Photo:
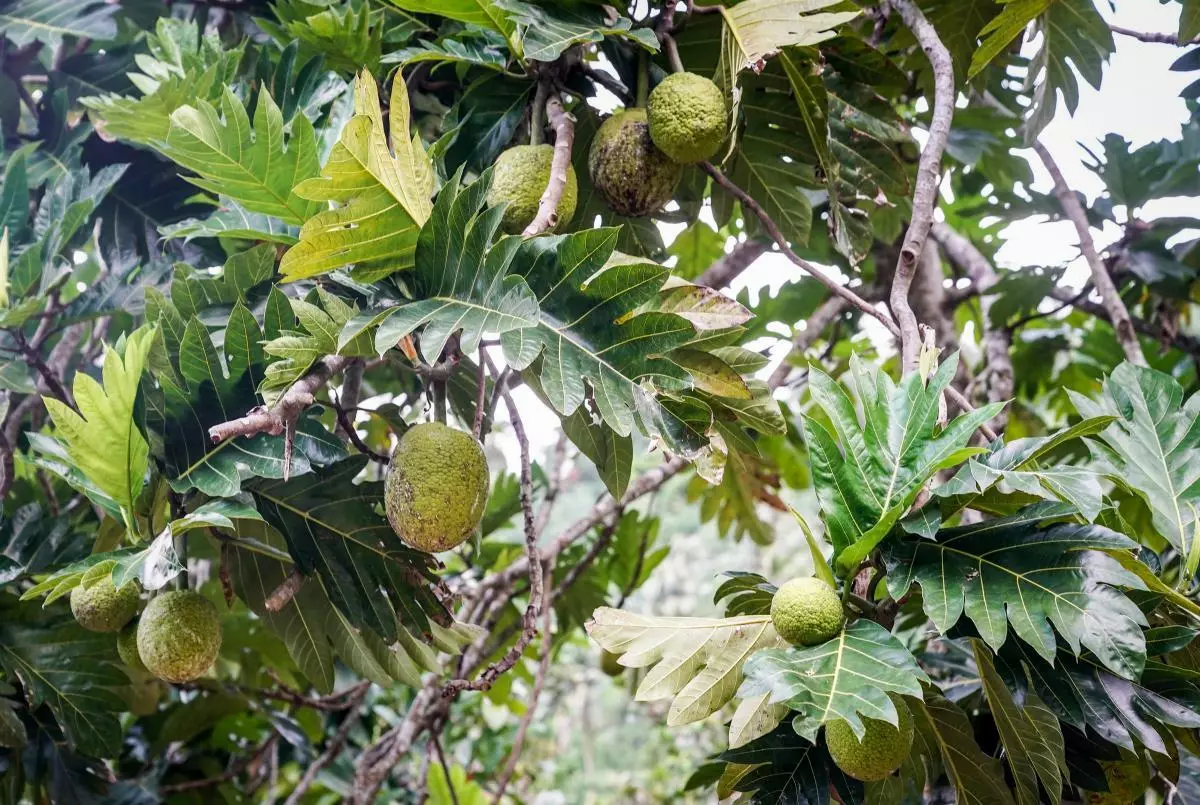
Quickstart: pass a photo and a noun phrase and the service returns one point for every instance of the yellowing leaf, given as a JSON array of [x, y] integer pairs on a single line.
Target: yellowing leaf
[[103, 439], [383, 193], [756, 29]]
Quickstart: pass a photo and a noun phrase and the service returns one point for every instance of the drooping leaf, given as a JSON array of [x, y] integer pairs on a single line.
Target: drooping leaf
[[846, 678], [68, 668], [782, 767], [696, 662], [333, 530], [757, 29], [48, 21], [976, 777], [460, 283], [870, 475], [1033, 755], [383, 192], [1017, 570], [103, 439], [1153, 447], [545, 32]]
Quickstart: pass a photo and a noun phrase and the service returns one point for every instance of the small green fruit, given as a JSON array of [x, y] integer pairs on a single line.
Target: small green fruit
[[626, 167], [687, 117], [127, 648], [880, 752], [610, 663], [807, 612], [179, 636], [101, 607], [437, 487], [519, 178]]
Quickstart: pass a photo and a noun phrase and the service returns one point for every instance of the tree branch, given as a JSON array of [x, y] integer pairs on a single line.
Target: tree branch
[[1155, 38], [996, 341], [335, 747], [564, 135], [1180, 341], [724, 269], [285, 592], [773, 230], [928, 177], [1118, 314], [816, 323]]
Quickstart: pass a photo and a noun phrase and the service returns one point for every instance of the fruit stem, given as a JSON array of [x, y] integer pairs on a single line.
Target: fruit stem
[[643, 78], [438, 388], [537, 115]]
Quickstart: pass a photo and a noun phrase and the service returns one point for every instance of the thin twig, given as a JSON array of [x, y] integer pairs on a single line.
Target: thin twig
[[347, 429], [815, 324], [1118, 314], [609, 82], [53, 382], [564, 135], [928, 176], [539, 682], [335, 747], [441, 756], [533, 563], [236, 768], [1154, 38], [283, 414], [773, 230]]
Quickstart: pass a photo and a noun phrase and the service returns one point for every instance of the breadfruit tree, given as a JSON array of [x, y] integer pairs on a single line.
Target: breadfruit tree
[[282, 283]]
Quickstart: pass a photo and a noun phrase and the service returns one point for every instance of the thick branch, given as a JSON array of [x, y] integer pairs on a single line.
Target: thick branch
[[928, 177], [1118, 314], [773, 230], [1155, 38], [723, 270], [281, 416], [564, 135]]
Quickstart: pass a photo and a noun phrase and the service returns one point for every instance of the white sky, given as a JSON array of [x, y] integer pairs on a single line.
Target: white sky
[[1139, 100]]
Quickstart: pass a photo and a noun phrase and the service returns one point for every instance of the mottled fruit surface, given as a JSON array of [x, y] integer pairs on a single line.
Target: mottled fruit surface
[[437, 487], [127, 648], [519, 178], [807, 612], [101, 607], [179, 636], [627, 169], [610, 663], [687, 117], [881, 750]]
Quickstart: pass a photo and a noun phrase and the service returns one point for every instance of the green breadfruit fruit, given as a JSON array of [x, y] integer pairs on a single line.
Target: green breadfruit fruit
[[610, 663], [627, 169], [807, 612], [437, 487], [880, 752], [519, 178], [101, 607], [127, 648], [179, 636], [1127, 781], [142, 694], [687, 117]]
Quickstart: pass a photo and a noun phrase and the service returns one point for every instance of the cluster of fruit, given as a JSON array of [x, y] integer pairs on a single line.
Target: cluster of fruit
[[176, 638], [636, 158]]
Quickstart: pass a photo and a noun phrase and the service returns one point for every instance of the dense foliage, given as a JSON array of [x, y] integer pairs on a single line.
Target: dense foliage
[[248, 245]]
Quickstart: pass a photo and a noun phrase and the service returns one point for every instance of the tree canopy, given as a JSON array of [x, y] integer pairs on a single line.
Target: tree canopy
[[249, 247]]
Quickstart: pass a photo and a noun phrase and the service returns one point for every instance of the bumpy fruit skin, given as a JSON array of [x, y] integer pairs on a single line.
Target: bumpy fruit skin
[[687, 117], [437, 487], [610, 664], [101, 607], [882, 748], [179, 636], [1127, 782], [626, 167], [807, 612], [127, 648], [519, 177]]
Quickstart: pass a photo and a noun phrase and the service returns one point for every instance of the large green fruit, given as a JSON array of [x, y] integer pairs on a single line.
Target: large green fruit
[[687, 117], [179, 636], [519, 178], [127, 648], [626, 167], [880, 752], [437, 487], [807, 612], [101, 607]]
